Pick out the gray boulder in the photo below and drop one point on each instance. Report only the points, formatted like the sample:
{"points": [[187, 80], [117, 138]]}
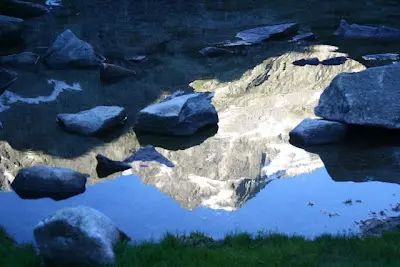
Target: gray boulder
{"points": [[6, 79], [318, 132], [24, 59], [370, 97], [79, 236], [68, 51], [267, 32], [357, 31], [24, 10], [211, 51], [179, 114], [10, 30], [93, 121], [45, 181]]}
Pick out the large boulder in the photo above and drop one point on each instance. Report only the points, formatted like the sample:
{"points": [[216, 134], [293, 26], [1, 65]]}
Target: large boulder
{"points": [[357, 31], [369, 98], [179, 114], [10, 30], [267, 32], [68, 51], [318, 132], [79, 236], [6, 79], [23, 9], [93, 121], [45, 181]]}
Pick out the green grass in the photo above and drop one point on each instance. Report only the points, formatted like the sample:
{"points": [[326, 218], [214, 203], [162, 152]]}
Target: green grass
{"points": [[239, 250]]}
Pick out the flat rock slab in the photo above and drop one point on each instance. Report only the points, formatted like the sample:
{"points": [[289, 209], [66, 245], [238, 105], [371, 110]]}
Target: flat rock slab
{"points": [[6, 79], [357, 31], [309, 36], [10, 30], [318, 132], [45, 181], [24, 59], [93, 121], [370, 98], [24, 10], [78, 236], [179, 114], [267, 32], [215, 51], [68, 51]]}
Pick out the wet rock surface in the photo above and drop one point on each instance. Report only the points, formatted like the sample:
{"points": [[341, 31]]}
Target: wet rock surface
{"points": [[367, 98], [68, 51], [93, 121], [45, 181], [78, 236]]}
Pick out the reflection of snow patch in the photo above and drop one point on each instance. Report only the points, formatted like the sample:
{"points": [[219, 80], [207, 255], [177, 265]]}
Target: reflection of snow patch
{"points": [[53, 2], [221, 201], [8, 98]]}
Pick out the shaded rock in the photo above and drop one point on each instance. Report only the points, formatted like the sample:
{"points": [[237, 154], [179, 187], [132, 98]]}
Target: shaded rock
{"points": [[137, 58], [334, 61], [149, 153], [10, 30], [377, 227], [309, 36], [6, 79], [179, 114], [106, 166], [78, 236], [367, 98], [93, 121], [306, 61], [357, 31], [68, 51], [24, 10], [387, 56], [110, 73], [318, 132], [267, 32], [214, 51], [25, 59], [45, 181]]}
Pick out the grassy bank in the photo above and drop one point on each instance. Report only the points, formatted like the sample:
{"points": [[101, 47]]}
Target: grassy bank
{"points": [[239, 250]]}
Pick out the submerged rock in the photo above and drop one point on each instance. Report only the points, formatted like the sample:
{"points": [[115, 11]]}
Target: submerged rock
{"points": [[357, 31], [334, 61], [367, 98], [106, 166], [6, 79], [387, 56], [179, 114], [318, 132], [10, 30], [45, 181], [307, 61], [110, 73], [267, 32], [78, 236], [309, 36], [93, 121], [68, 51], [24, 59], [214, 51], [24, 10]]}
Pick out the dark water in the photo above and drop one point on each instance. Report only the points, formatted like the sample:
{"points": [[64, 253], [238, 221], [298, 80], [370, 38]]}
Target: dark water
{"points": [[170, 33], [145, 213]]}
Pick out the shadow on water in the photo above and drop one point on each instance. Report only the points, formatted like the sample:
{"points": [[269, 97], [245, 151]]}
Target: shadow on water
{"points": [[368, 154]]}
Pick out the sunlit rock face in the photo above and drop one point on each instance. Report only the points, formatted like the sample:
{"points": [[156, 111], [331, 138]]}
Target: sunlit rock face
{"points": [[251, 146]]}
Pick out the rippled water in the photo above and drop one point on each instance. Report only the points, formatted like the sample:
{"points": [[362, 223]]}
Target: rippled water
{"points": [[170, 33]]}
